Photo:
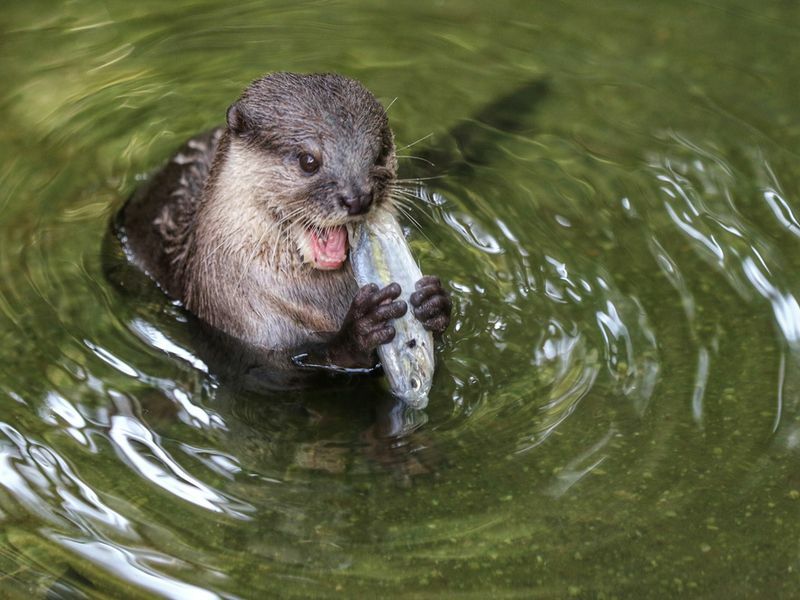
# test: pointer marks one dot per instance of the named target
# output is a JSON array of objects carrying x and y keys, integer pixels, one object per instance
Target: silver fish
[{"x": 380, "y": 254}]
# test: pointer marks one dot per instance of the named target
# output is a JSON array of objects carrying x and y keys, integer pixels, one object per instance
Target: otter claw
[
  {"x": 366, "y": 325},
  {"x": 431, "y": 304}
]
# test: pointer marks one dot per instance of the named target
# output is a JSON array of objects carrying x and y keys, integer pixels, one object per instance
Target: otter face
[{"x": 320, "y": 153}]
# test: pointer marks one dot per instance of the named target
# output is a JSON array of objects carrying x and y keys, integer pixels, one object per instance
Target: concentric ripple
[{"x": 611, "y": 195}]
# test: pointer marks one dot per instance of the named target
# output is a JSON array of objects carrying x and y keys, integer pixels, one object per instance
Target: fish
[{"x": 379, "y": 254}]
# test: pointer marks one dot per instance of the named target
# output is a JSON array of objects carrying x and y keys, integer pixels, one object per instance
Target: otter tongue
[{"x": 330, "y": 251}]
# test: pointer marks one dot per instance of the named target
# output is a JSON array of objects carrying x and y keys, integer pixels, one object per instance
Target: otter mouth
[{"x": 326, "y": 249}]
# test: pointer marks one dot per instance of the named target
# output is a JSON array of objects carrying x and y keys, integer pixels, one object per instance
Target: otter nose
[{"x": 356, "y": 203}]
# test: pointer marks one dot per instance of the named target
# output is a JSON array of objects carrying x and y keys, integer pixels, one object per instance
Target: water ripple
[
  {"x": 619, "y": 391},
  {"x": 140, "y": 448}
]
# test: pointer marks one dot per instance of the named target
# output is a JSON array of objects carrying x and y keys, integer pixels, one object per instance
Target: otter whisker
[
  {"x": 416, "y": 193},
  {"x": 414, "y": 222},
  {"x": 413, "y": 191},
  {"x": 273, "y": 255},
  {"x": 408, "y": 216},
  {"x": 406, "y": 210},
  {"x": 407, "y": 204},
  {"x": 403, "y": 184},
  {"x": 251, "y": 259},
  {"x": 425, "y": 160},
  {"x": 291, "y": 215},
  {"x": 284, "y": 239},
  {"x": 283, "y": 234},
  {"x": 399, "y": 196},
  {"x": 303, "y": 223},
  {"x": 422, "y": 139},
  {"x": 216, "y": 248},
  {"x": 224, "y": 244},
  {"x": 386, "y": 110},
  {"x": 418, "y": 179},
  {"x": 400, "y": 186},
  {"x": 297, "y": 210},
  {"x": 411, "y": 199}
]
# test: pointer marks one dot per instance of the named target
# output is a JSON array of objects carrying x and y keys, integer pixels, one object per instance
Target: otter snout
[{"x": 356, "y": 202}]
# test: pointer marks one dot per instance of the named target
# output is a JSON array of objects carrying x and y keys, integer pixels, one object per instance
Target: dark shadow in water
[{"x": 474, "y": 141}]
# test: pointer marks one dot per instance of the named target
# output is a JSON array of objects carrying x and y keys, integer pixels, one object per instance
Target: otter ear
[
  {"x": 388, "y": 140},
  {"x": 387, "y": 145},
  {"x": 238, "y": 121}
]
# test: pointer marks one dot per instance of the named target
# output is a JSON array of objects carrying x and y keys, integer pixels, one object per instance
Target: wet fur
[{"x": 217, "y": 228}]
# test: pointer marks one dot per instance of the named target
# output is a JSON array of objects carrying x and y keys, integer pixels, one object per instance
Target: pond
[{"x": 613, "y": 203}]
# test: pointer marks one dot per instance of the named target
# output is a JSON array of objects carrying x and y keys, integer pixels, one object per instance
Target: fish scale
[{"x": 379, "y": 254}]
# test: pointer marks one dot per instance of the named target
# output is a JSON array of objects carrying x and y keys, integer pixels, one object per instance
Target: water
[{"x": 615, "y": 413}]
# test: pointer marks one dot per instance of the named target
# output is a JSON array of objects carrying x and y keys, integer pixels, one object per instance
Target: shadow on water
[{"x": 478, "y": 141}]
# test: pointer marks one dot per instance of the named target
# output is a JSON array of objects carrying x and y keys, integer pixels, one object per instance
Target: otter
[{"x": 245, "y": 226}]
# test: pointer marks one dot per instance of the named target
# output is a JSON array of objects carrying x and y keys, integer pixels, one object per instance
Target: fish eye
[{"x": 308, "y": 162}]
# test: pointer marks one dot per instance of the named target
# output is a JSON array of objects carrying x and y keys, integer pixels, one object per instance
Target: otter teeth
[
  {"x": 326, "y": 248},
  {"x": 322, "y": 234}
]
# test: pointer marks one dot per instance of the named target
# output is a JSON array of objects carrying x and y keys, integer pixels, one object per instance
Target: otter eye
[{"x": 308, "y": 162}]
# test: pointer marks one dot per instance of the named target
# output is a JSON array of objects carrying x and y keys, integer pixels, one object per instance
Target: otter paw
[
  {"x": 432, "y": 306},
  {"x": 369, "y": 315}
]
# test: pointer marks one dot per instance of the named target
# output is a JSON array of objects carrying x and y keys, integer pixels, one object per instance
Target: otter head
[{"x": 317, "y": 153}]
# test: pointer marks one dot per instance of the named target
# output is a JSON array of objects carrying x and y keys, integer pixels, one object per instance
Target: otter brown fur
[{"x": 245, "y": 224}]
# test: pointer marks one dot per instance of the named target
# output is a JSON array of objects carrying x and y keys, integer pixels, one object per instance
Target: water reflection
[
  {"x": 699, "y": 189},
  {"x": 41, "y": 481},
  {"x": 135, "y": 566},
  {"x": 140, "y": 449},
  {"x": 615, "y": 410}
]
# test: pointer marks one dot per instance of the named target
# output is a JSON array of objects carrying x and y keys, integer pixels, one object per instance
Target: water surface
[{"x": 614, "y": 205}]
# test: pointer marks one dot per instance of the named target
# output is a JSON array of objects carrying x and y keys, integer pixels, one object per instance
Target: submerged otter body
[{"x": 246, "y": 224}]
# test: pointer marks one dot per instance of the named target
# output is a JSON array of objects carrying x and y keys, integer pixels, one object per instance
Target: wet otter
[{"x": 246, "y": 224}]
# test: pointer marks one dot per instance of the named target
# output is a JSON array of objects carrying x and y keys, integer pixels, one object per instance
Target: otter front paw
[
  {"x": 367, "y": 323},
  {"x": 431, "y": 304}
]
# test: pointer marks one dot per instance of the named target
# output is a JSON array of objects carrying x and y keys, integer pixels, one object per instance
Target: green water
[{"x": 615, "y": 412}]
